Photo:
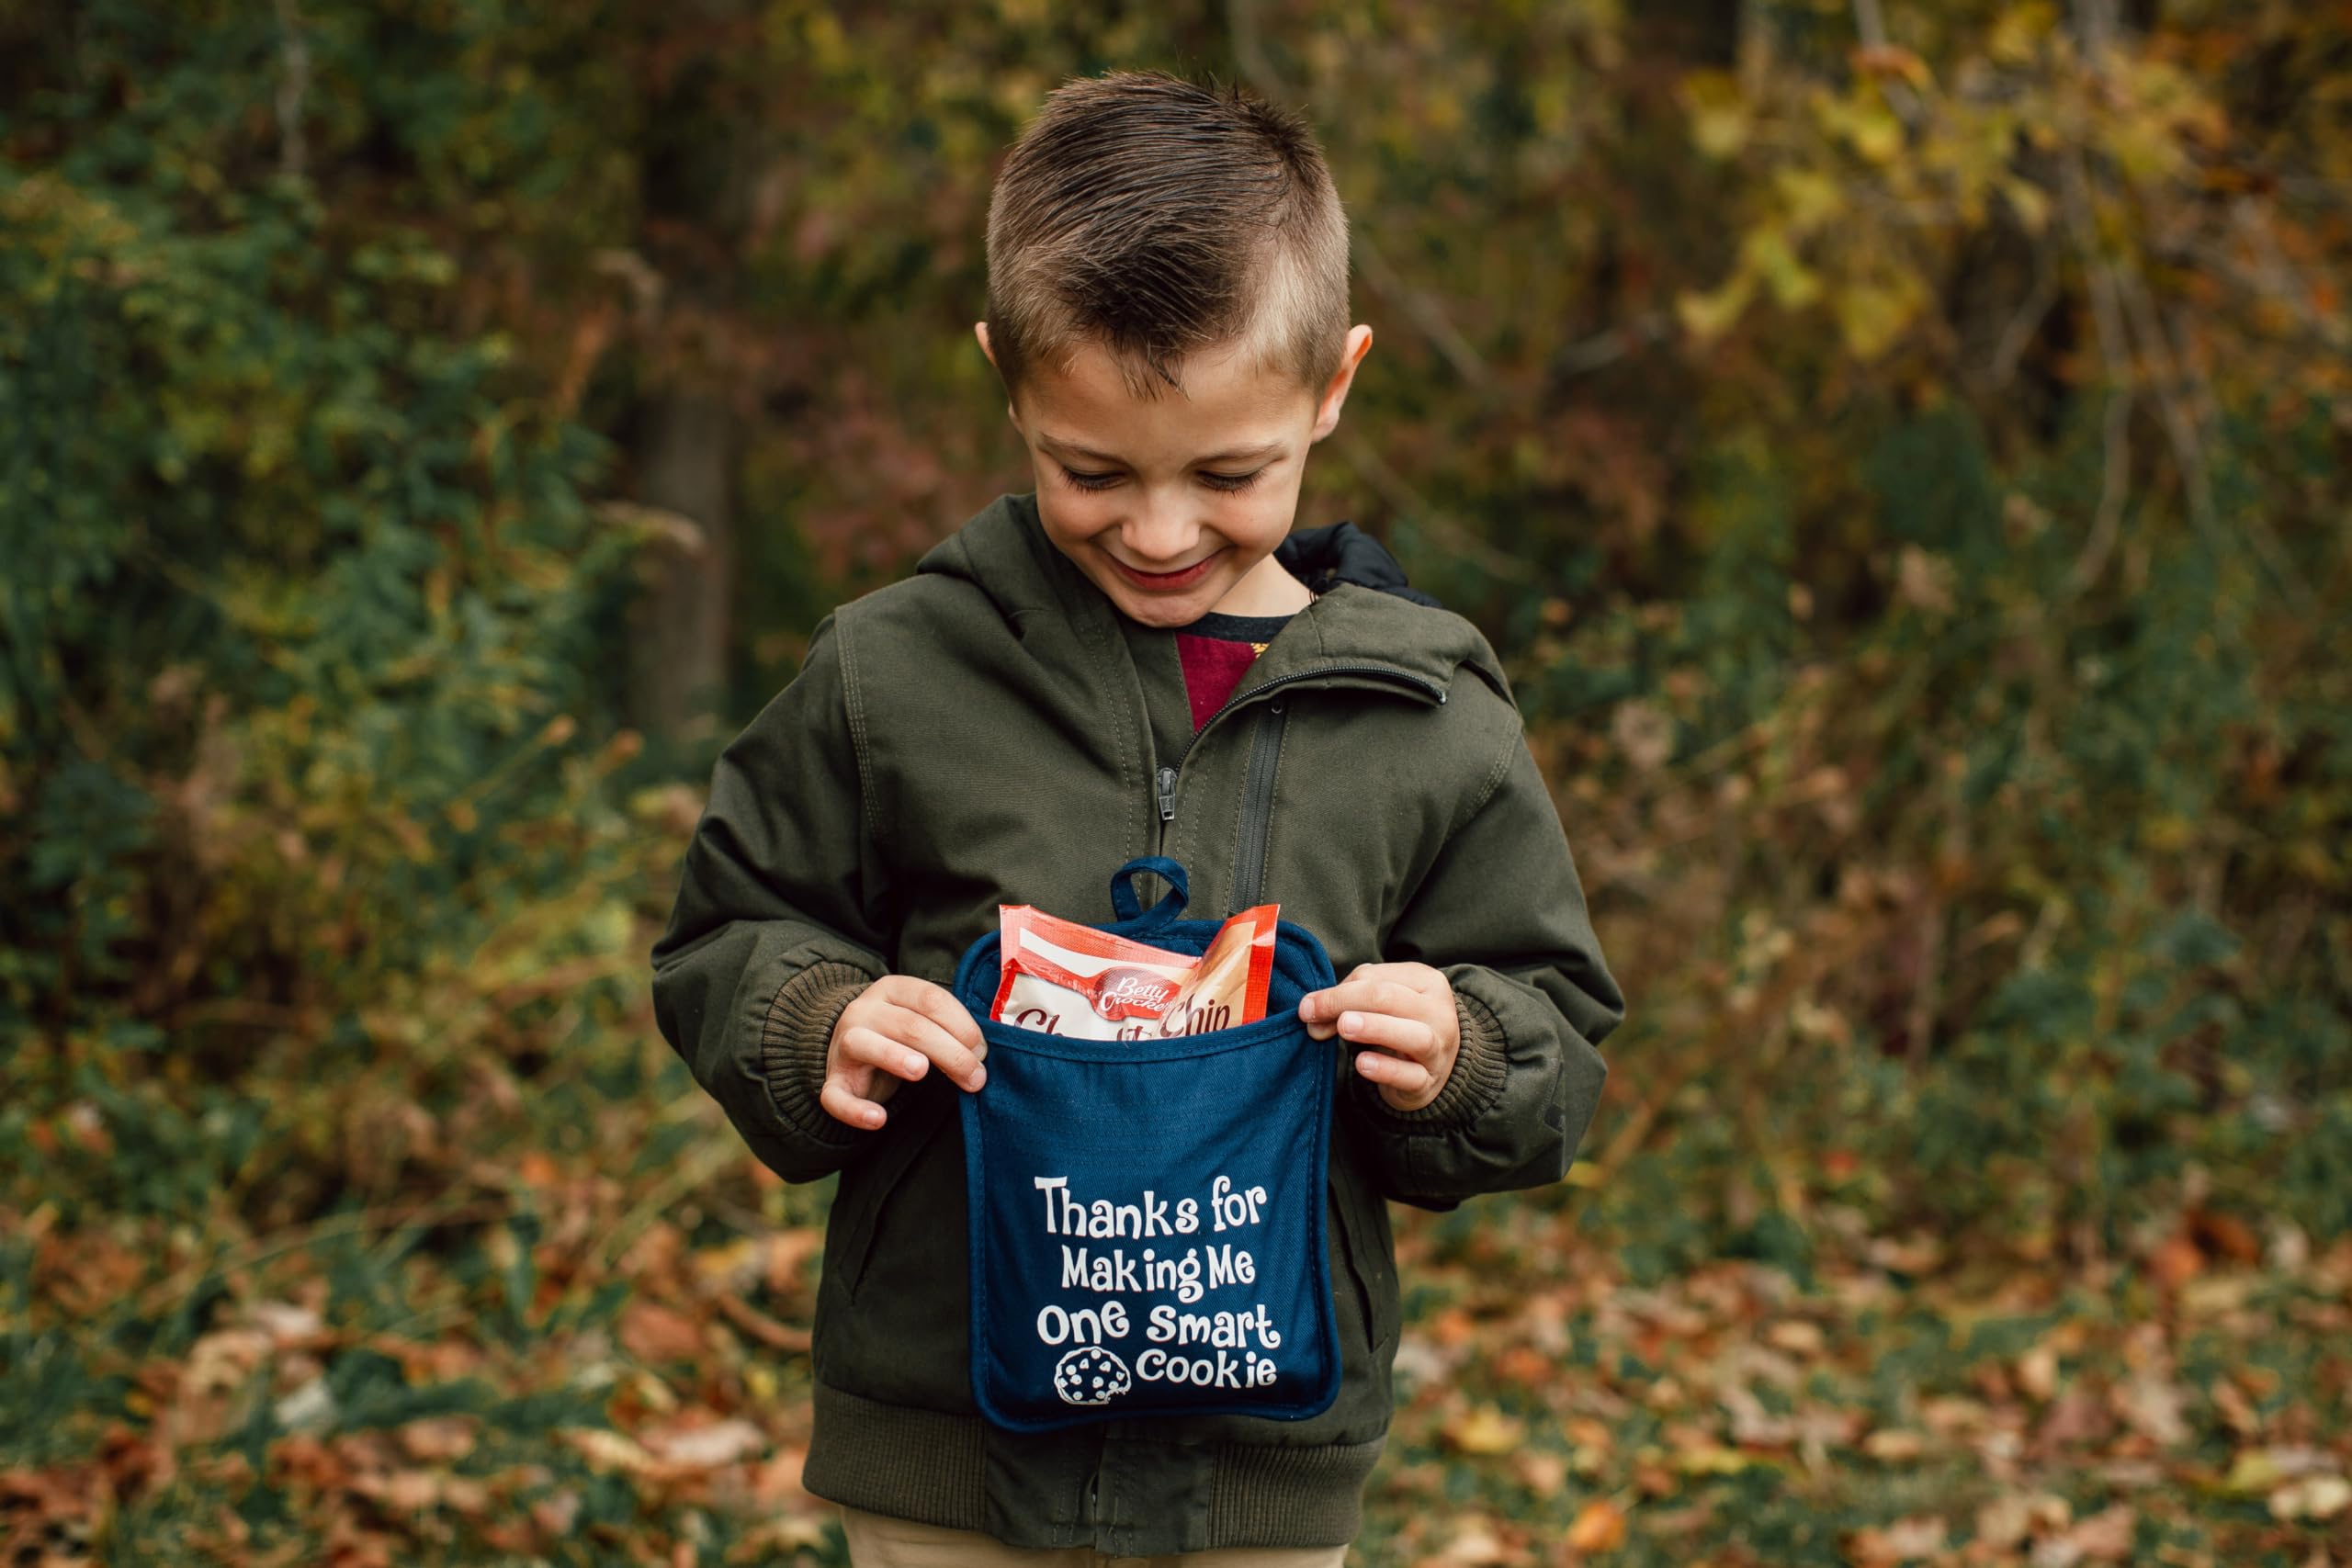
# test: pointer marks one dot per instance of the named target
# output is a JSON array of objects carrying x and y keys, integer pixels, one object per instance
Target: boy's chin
[{"x": 1163, "y": 610}]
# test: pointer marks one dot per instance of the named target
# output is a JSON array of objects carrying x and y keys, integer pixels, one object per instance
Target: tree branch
[
  {"x": 2107, "y": 319},
  {"x": 1417, "y": 305},
  {"x": 1403, "y": 498},
  {"x": 293, "y": 88}
]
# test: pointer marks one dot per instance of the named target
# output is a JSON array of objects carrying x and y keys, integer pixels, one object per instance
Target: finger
[
  {"x": 842, "y": 1105},
  {"x": 1409, "y": 1036},
  {"x": 1393, "y": 1072},
  {"x": 919, "y": 1031},
  {"x": 939, "y": 1005},
  {"x": 1371, "y": 995},
  {"x": 873, "y": 1048},
  {"x": 1412, "y": 977}
]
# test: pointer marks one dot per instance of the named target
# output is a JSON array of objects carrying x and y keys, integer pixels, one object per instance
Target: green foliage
[{"x": 304, "y": 674}]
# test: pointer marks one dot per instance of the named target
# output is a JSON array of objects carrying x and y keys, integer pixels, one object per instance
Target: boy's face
[{"x": 1174, "y": 508}]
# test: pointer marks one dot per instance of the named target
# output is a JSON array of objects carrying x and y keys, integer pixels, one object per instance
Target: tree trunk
[{"x": 685, "y": 465}]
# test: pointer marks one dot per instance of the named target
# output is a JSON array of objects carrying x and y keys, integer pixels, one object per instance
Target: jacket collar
[{"x": 1367, "y": 619}]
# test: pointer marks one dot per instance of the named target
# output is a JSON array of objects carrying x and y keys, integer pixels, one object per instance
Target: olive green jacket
[{"x": 993, "y": 730}]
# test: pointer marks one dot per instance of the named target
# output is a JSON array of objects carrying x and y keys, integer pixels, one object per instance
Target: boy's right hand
[{"x": 895, "y": 1029}]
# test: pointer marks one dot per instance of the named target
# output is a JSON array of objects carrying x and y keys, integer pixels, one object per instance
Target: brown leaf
[
  {"x": 2007, "y": 1521},
  {"x": 438, "y": 1438},
  {"x": 2175, "y": 1260},
  {"x": 2150, "y": 1402},
  {"x": 1540, "y": 1470},
  {"x": 2077, "y": 1416},
  {"x": 761, "y": 1326},
  {"x": 1600, "y": 1526},
  {"x": 2225, "y": 1236},
  {"x": 2106, "y": 1536},
  {"x": 1921, "y": 1536},
  {"x": 1796, "y": 1337},
  {"x": 777, "y": 1481},
  {"x": 2313, "y": 1497},
  {"x": 609, "y": 1450},
  {"x": 655, "y": 1334},
  {"x": 2038, "y": 1372},
  {"x": 1645, "y": 735},
  {"x": 556, "y": 1512},
  {"x": 707, "y": 1446},
  {"x": 1893, "y": 1445}
]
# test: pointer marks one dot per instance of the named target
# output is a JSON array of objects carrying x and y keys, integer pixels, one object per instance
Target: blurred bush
[{"x": 306, "y": 772}]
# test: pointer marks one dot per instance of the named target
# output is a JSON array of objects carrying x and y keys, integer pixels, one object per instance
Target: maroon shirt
[{"x": 1216, "y": 651}]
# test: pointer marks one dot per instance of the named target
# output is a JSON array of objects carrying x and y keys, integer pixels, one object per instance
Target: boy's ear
[
  {"x": 980, "y": 330},
  {"x": 1327, "y": 415}
]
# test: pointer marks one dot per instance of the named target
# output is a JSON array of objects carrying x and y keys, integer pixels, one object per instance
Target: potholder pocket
[{"x": 1147, "y": 1216}]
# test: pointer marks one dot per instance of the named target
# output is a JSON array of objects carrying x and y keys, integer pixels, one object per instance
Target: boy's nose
[{"x": 1159, "y": 535}]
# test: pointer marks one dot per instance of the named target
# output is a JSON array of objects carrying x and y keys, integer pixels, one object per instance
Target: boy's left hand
[{"x": 1405, "y": 1013}]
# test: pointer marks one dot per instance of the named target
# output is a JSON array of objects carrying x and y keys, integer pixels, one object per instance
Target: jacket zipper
[
  {"x": 1167, "y": 778},
  {"x": 1257, "y": 806}
]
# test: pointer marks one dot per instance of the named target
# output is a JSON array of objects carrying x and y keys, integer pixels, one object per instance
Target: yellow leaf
[
  {"x": 2018, "y": 33},
  {"x": 1707, "y": 317},
  {"x": 1483, "y": 1429},
  {"x": 2030, "y": 202},
  {"x": 1808, "y": 198},
  {"x": 1869, "y": 127},
  {"x": 2254, "y": 1471},
  {"x": 1766, "y": 252},
  {"x": 1712, "y": 1458},
  {"x": 1719, "y": 117},
  {"x": 1873, "y": 316}
]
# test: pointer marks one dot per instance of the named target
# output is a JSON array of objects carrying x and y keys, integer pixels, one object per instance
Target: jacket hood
[{"x": 1368, "y": 613}]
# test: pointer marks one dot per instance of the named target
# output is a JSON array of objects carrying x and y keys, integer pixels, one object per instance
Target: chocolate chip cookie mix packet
[{"x": 1061, "y": 977}]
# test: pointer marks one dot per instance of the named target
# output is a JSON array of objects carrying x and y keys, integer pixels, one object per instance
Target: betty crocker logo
[{"x": 1121, "y": 994}]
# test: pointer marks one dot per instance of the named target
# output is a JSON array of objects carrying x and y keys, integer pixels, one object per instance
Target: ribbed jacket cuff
[
  {"x": 1479, "y": 1068},
  {"x": 793, "y": 1038}
]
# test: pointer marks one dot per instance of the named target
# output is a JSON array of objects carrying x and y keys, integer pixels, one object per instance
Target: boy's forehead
[{"x": 1085, "y": 409}]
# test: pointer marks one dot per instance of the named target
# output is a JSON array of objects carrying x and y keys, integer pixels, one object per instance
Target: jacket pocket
[
  {"x": 867, "y": 1187},
  {"x": 1366, "y": 1250}
]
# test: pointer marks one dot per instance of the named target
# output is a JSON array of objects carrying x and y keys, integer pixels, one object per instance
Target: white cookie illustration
[{"x": 1090, "y": 1376}]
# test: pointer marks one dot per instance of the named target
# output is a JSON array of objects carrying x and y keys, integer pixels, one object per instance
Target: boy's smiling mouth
[{"x": 1166, "y": 582}]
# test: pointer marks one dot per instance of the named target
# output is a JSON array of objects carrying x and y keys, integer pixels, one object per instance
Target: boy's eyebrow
[{"x": 1240, "y": 454}]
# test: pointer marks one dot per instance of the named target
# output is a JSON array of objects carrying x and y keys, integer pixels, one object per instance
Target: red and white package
[
  {"x": 1229, "y": 988},
  {"x": 1060, "y": 978}
]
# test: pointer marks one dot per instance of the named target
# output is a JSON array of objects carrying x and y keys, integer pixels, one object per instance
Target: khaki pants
[{"x": 876, "y": 1541}]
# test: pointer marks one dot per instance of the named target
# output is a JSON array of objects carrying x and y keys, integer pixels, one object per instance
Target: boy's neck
[{"x": 1266, "y": 589}]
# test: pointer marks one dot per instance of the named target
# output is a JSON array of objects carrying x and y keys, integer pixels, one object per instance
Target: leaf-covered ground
[{"x": 559, "y": 1363}]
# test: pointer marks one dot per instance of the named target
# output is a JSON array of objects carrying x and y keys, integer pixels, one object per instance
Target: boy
[{"x": 1139, "y": 657}]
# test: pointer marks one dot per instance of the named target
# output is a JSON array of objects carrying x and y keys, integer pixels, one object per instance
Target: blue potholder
[{"x": 1146, "y": 1216}]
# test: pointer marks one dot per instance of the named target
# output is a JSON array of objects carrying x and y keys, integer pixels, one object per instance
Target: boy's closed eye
[{"x": 1232, "y": 484}]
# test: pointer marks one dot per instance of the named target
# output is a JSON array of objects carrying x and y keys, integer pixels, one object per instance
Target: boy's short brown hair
[{"x": 1159, "y": 218}]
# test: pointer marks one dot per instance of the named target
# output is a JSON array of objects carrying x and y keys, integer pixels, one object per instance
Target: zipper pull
[{"x": 1167, "y": 795}]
